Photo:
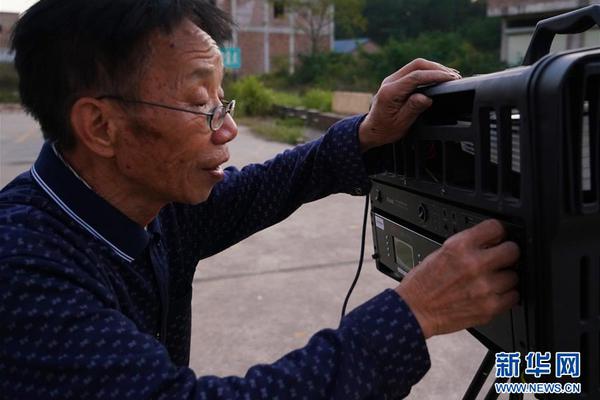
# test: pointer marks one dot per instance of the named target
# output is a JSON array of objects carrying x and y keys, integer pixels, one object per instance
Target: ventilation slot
[
  {"x": 405, "y": 158},
  {"x": 586, "y": 161},
  {"x": 387, "y": 157},
  {"x": 590, "y": 371},
  {"x": 511, "y": 171},
  {"x": 582, "y": 142},
  {"x": 450, "y": 109},
  {"x": 584, "y": 292},
  {"x": 460, "y": 166},
  {"x": 431, "y": 161},
  {"x": 589, "y": 146},
  {"x": 509, "y": 158},
  {"x": 489, "y": 150},
  {"x": 515, "y": 130},
  {"x": 586, "y": 357},
  {"x": 589, "y": 304},
  {"x": 505, "y": 149}
]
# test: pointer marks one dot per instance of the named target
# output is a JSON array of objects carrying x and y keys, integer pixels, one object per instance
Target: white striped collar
[{"x": 74, "y": 196}]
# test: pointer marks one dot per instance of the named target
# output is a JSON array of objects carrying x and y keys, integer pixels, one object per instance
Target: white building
[{"x": 518, "y": 23}]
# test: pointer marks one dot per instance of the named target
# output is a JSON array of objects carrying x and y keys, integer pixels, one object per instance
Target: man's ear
[{"x": 93, "y": 123}]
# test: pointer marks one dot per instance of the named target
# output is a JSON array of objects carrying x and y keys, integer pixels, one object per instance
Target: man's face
[{"x": 168, "y": 155}]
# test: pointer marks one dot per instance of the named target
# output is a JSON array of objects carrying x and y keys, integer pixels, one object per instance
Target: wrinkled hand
[
  {"x": 465, "y": 283},
  {"x": 395, "y": 106}
]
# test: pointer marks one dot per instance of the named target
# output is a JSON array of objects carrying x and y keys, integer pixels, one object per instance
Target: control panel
[{"x": 435, "y": 217}]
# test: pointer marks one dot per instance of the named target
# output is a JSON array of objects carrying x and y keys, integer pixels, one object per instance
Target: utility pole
[
  {"x": 266, "y": 47},
  {"x": 332, "y": 29},
  {"x": 234, "y": 16},
  {"x": 292, "y": 58}
]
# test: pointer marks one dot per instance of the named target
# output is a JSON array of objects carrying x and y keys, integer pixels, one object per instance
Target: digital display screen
[{"x": 404, "y": 254}]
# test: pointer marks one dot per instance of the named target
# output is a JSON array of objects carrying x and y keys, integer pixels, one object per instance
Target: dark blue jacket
[{"x": 94, "y": 306}]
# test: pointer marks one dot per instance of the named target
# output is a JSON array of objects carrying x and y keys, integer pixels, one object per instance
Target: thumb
[
  {"x": 413, "y": 107},
  {"x": 417, "y": 103}
]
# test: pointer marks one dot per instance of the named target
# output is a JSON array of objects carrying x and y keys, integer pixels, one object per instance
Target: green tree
[
  {"x": 315, "y": 17},
  {"x": 484, "y": 33},
  {"x": 456, "y": 33},
  {"x": 448, "y": 48},
  {"x": 403, "y": 19},
  {"x": 349, "y": 18}
]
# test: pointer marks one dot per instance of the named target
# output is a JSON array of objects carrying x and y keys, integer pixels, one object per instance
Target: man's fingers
[
  {"x": 504, "y": 281},
  {"x": 487, "y": 233},
  {"x": 415, "y": 105},
  {"x": 508, "y": 300},
  {"x": 501, "y": 256},
  {"x": 402, "y": 88},
  {"x": 497, "y": 304},
  {"x": 411, "y": 109},
  {"x": 416, "y": 65}
]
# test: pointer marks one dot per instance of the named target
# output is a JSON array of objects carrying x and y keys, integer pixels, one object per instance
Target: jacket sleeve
[
  {"x": 260, "y": 195},
  {"x": 61, "y": 339}
]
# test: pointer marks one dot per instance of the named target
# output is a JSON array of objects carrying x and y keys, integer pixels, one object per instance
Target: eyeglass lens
[{"x": 219, "y": 116}]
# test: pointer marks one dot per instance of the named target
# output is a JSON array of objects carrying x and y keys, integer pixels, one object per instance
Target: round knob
[{"x": 422, "y": 212}]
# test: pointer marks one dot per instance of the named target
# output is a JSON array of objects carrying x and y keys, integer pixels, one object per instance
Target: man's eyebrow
[{"x": 202, "y": 72}]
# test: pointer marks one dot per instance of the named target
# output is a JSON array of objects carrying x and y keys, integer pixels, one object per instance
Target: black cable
[{"x": 362, "y": 255}]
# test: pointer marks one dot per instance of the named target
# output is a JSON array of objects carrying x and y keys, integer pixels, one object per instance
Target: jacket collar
[{"x": 125, "y": 237}]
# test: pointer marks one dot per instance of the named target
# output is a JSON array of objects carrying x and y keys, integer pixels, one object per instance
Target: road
[{"x": 265, "y": 296}]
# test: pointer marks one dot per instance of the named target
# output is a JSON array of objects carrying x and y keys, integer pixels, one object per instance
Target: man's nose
[{"x": 227, "y": 132}]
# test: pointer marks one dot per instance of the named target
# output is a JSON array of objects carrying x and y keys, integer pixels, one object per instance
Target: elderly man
[{"x": 101, "y": 238}]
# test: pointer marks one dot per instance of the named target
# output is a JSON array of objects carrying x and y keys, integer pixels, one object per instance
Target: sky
[{"x": 15, "y": 5}]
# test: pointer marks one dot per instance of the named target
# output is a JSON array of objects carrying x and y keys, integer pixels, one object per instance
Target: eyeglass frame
[{"x": 228, "y": 106}]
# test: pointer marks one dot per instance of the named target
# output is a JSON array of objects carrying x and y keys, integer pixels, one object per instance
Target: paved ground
[{"x": 265, "y": 296}]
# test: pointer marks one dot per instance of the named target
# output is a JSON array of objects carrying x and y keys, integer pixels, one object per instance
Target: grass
[
  {"x": 9, "y": 96},
  {"x": 314, "y": 98},
  {"x": 289, "y": 130},
  {"x": 318, "y": 99},
  {"x": 288, "y": 99}
]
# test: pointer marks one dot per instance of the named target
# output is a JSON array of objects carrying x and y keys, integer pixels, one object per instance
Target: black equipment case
[{"x": 522, "y": 146}]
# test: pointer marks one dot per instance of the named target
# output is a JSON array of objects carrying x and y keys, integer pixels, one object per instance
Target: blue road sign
[{"x": 232, "y": 57}]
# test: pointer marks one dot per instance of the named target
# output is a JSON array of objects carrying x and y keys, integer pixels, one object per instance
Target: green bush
[
  {"x": 333, "y": 71},
  {"x": 252, "y": 96},
  {"x": 318, "y": 99},
  {"x": 287, "y": 99},
  {"x": 324, "y": 70},
  {"x": 9, "y": 84},
  {"x": 468, "y": 50}
]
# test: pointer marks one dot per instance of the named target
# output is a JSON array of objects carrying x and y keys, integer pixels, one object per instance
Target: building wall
[
  {"x": 518, "y": 24},
  {"x": 524, "y": 7},
  {"x": 252, "y": 45},
  {"x": 268, "y": 41},
  {"x": 7, "y": 21}
]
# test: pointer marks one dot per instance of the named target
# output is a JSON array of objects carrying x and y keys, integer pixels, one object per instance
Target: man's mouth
[
  {"x": 216, "y": 169},
  {"x": 216, "y": 165}
]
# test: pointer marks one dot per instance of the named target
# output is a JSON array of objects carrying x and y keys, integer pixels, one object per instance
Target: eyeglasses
[{"x": 216, "y": 117}]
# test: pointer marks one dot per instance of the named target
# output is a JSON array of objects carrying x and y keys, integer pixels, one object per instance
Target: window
[{"x": 278, "y": 9}]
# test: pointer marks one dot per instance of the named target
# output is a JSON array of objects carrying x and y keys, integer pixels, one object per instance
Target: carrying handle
[{"x": 572, "y": 22}]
